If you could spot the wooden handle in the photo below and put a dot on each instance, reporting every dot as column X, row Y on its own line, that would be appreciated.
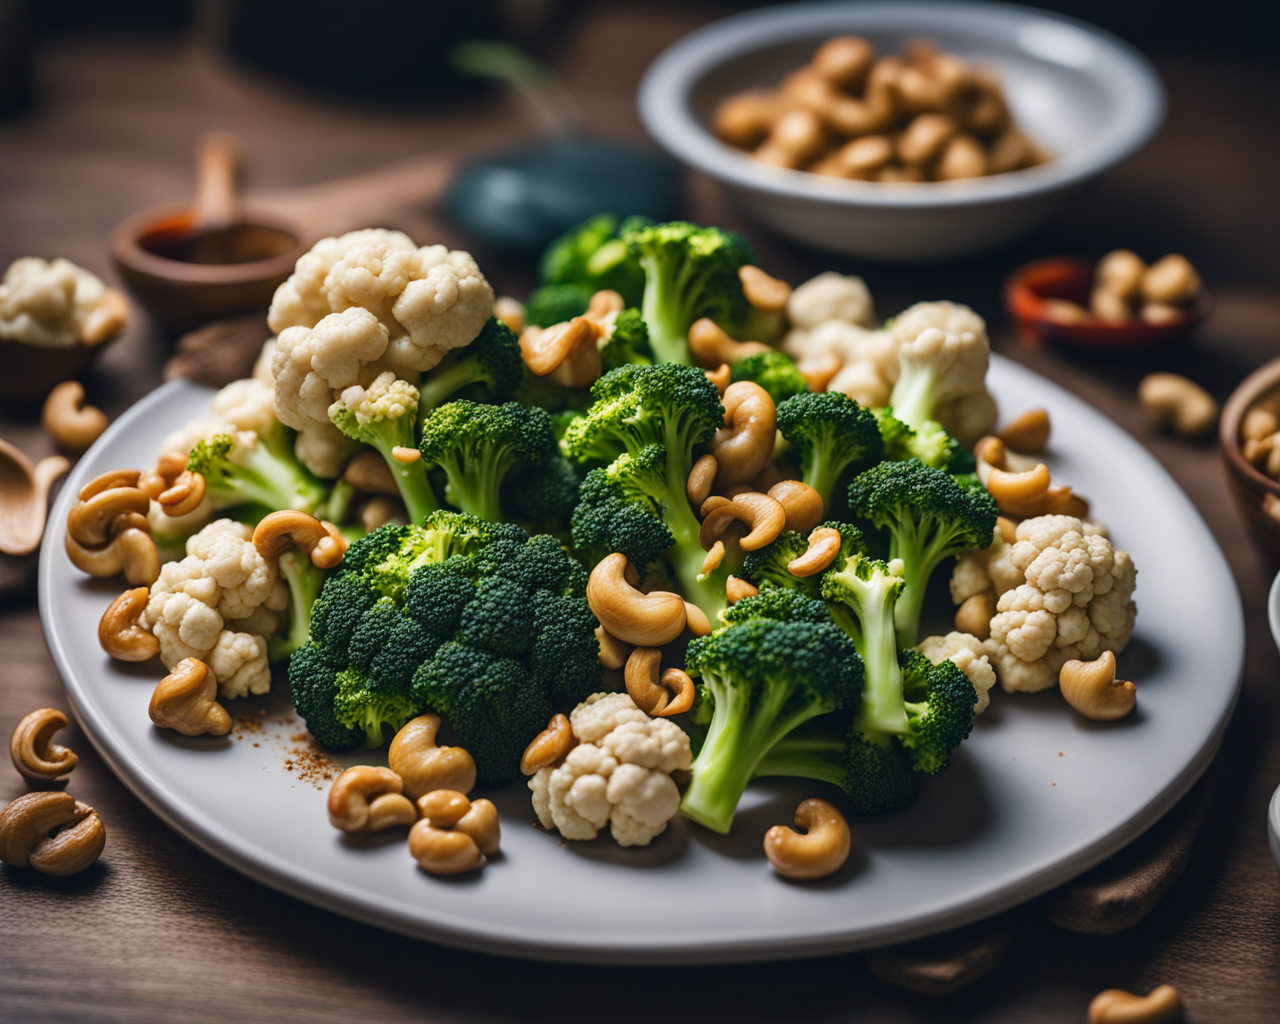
column 217, row 165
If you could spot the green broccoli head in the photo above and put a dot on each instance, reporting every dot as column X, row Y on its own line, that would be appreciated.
column 928, row 516
column 939, row 700
column 313, row 683
column 476, row 446
column 593, row 256
column 831, row 433
column 689, row 272
column 767, row 566
column 619, row 510
column 931, row 444
column 367, row 709
column 776, row 603
column 241, row 470
column 774, row 372
column 628, row 342
column 556, row 303
column 542, row 497
column 490, row 368
column 762, row 677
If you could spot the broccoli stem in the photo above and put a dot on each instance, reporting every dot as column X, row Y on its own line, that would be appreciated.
column 304, row 581
column 919, row 557
column 686, row 556
column 415, row 488
column 882, row 708
column 474, row 482
column 914, row 397
column 740, row 735
column 819, row 757
column 664, row 313
column 263, row 479
column 823, row 472
column 441, row 384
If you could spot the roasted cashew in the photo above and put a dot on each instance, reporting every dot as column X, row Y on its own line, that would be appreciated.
column 31, row 748
column 440, row 852
column 405, row 456
column 367, row 799
column 89, row 519
column 1116, row 1006
column 160, row 477
column 613, row 652
column 132, row 552
column 107, row 318
column 549, row 746
column 120, row 631
column 112, row 478
column 1030, row 493
column 1091, row 687
column 444, row 808
column 511, row 312
column 736, row 589
column 602, row 303
column 824, row 545
column 711, row 504
column 744, row 445
column 819, row 370
column 1170, row 280
column 647, row 620
column 184, row 495
column 481, row 824
column 661, row 696
column 568, row 351
column 974, row 615
column 820, row 851
column 52, row 832
column 281, row 531
column 763, row 514
column 423, row 766
column 710, row 345
column 186, row 700
column 762, row 291
column 378, row 510
column 800, row 502
column 1178, row 404
column 701, row 477
column 1028, row 433
column 72, row 424
column 370, row 473
column 714, row 557
column 720, row 377
column 696, row 619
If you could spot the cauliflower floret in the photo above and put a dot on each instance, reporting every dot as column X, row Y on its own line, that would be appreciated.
column 388, row 397
column 619, row 774
column 967, row 653
column 239, row 662
column 443, row 308
column 1073, row 600
column 247, row 404
column 48, row 304
column 869, row 358
column 831, row 296
column 987, row 570
column 262, row 365
column 218, row 604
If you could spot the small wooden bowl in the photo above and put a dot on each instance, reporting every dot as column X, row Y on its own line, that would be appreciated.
column 1256, row 494
column 183, row 295
column 1069, row 278
column 31, row 371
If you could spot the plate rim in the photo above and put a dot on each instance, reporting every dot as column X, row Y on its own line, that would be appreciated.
column 334, row 896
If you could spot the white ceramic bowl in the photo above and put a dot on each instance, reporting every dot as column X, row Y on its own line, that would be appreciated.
column 1084, row 96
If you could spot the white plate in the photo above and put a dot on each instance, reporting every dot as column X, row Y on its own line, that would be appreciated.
column 1036, row 796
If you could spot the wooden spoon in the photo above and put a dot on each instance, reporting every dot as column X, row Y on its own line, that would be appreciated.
column 24, row 498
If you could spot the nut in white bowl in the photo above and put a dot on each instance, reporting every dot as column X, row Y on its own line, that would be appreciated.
column 1083, row 96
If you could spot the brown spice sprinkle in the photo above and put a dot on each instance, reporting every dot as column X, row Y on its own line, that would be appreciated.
column 309, row 761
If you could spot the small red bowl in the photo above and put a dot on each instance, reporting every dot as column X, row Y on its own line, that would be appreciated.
column 1068, row 278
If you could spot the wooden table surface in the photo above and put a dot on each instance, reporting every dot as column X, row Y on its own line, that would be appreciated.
column 160, row 931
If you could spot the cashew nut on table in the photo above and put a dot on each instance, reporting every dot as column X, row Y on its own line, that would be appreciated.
column 31, row 748
column 52, row 832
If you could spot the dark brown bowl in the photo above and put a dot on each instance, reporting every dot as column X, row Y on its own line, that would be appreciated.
column 182, row 295
column 1070, row 278
column 1256, row 494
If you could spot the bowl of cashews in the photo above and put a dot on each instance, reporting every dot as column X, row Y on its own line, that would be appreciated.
column 1083, row 101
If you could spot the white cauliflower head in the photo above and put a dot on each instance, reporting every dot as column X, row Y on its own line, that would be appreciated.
column 966, row 652
column 619, row 774
column 831, row 296
column 222, row 583
column 1074, row 600
column 48, row 304
column 388, row 397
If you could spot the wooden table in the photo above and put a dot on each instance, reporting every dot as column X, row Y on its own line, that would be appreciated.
column 160, row 931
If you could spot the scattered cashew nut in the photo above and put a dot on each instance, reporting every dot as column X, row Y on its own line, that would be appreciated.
column 1175, row 403
column 442, row 852
column 736, row 589
column 120, row 631
column 422, row 766
column 549, row 746
column 763, row 291
column 824, row 545
column 370, row 473
column 801, row 503
column 720, row 377
column 482, row 825
column 670, row 694
column 1091, row 687
column 52, row 832
column 701, row 477
column 568, row 351
column 613, row 652
column 31, row 748
column 710, row 345
column 764, row 515
column 108, row 532
column 646, row 620
column 368, row 799
column 1116, row 1006
column 1027, row 434
column 72, row 424
column 820, row 851
column 444, row 808
column 975, row 614
column 280, row 531
column 696, row 619
column 186, row 700
column 744, row 445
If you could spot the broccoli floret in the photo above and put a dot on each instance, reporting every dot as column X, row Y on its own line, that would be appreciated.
column 313, row 682
column 592, row 255
column 261, row 474
column 928, row 517
column 638, row 502
column 556, row 303
column 628, row 342
column 383, row 416
column 542, row 497
column 774, row 372
column 491, row 365
column 689, row 272
column 776, row 603
column 831, row 433
column 477, row 445
column 767, row 567
column 365, row 708
column 931, row 444
column 304, row 581
column 762, row 677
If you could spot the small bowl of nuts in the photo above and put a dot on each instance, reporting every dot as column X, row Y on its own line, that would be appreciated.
column 1249, row 435
column 901, row 131
column 1117, row 303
